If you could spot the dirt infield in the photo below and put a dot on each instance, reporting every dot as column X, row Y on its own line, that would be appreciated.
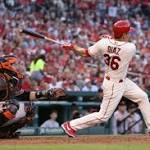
column 139, row 139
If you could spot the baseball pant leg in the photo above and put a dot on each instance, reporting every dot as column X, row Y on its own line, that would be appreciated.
column 137, row 95
column 112, row 93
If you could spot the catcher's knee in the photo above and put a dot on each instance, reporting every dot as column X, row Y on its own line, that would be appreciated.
column 9, row 111
column 12, row 108
column 30, row 112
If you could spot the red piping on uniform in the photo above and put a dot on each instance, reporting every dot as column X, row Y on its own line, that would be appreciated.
column 108, row 102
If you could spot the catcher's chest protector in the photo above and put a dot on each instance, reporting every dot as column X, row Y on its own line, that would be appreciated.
column 4, row 88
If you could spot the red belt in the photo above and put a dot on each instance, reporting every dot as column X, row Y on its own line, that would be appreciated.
column 108, row 78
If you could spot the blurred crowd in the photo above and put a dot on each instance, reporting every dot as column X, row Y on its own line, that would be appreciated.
column 127, row 120
column 46, row 64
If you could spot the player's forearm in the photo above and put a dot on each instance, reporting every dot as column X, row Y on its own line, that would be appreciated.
column 50, row 94
column 79, row 50
column 82, row 51
column 32, row 95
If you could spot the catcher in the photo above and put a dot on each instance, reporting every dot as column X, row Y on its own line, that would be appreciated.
column 15, row 115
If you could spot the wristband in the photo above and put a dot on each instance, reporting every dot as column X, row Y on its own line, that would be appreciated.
column 87, row 53
column 40, row 94
column 50, row 93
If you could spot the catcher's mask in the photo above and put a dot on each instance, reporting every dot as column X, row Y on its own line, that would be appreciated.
column 11, row 76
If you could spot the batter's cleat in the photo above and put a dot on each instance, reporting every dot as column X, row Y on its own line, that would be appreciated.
column 68, row 130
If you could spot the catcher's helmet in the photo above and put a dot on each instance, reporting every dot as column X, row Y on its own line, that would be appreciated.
column 121, row 27
column 6, row 66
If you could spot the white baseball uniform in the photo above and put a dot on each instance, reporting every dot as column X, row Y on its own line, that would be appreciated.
column 117, row 55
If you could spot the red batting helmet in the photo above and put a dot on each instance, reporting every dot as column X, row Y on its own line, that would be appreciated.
column 120, row 27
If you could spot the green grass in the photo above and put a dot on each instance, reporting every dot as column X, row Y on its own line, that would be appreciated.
column 77, row 147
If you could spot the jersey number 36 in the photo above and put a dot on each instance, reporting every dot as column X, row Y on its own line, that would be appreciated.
column 112, row 61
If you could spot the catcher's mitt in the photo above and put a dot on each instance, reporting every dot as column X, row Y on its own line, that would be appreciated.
column 56, row 93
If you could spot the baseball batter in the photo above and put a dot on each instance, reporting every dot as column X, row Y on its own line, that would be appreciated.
column 117, row 54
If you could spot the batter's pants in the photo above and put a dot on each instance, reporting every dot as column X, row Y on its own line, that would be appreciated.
column 112, row 94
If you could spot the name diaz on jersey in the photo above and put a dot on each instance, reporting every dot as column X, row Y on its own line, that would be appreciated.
column 114, row 50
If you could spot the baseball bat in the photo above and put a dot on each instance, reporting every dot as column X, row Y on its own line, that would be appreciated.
column 39, row 35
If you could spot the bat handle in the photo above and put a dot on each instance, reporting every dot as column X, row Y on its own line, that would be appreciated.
column 52, row 40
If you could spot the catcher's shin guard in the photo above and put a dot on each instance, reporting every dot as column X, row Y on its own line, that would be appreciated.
column 3, row 119
column 9, row 130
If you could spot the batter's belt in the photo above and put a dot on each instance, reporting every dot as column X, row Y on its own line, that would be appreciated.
column 119, row 81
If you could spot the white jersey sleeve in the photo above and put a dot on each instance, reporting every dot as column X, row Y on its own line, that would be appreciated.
column 96, row 50
column 133, row 52
column 129, row 53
